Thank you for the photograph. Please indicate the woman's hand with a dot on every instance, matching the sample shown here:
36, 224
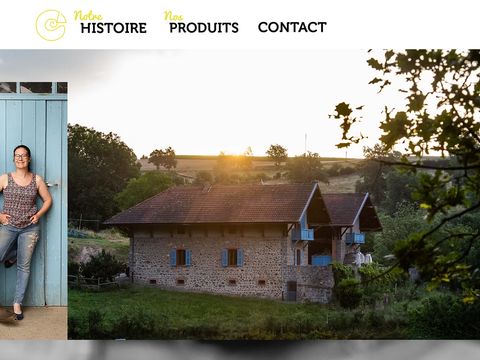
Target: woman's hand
34, 219
4, 219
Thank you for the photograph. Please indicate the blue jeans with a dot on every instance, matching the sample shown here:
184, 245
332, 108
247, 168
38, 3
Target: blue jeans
19, 242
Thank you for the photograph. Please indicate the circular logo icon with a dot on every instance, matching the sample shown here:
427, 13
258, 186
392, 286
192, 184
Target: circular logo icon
50, 25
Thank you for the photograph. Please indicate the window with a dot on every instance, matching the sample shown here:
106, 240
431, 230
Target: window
180, 282
62, 87
232, 282
8, 87
232, 257
180, 257
34, 87
261, 282
152, 281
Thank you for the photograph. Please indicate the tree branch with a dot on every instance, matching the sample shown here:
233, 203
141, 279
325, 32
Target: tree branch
422, 166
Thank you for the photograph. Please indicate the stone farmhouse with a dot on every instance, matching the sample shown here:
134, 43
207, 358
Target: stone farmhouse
274, 241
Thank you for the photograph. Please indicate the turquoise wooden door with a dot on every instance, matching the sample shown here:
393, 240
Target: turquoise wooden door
40, 122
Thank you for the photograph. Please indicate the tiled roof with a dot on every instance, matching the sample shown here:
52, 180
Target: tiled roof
343, 208
221, 204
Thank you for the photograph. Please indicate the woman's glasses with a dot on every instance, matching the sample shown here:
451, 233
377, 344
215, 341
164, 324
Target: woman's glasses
20, 156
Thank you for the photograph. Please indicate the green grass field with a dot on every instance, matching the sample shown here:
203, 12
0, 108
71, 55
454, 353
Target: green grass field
150, 313
114, 243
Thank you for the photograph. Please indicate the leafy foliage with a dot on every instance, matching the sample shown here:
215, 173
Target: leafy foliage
440, 114
341, 272
139, 189
398, 226
277, 153
99, 167
306, 168
398, 192
373, 173
444, 316
163, 157
348, 293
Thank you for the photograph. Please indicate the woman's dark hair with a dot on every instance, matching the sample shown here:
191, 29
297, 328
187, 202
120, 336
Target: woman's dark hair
27, 150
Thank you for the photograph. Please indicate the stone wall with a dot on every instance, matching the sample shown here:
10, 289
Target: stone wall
314, 283
261, 274
268, 262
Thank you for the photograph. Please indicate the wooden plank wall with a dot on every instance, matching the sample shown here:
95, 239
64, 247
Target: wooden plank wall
41, 124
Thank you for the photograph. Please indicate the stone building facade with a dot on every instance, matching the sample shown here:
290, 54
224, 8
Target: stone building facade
256, 242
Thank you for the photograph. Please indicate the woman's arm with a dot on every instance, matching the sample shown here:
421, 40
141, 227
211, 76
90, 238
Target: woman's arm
3, 184
46, 197
3, 181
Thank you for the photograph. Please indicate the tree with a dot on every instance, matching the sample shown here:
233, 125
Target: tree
139, 189
163, 157
277, 153
203, 177
398, 190
440, 115
306, 168
99, 167
373, 173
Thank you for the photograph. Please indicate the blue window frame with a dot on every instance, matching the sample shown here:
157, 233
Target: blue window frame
180, 257
232, 257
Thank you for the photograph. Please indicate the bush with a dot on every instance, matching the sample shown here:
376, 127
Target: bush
445, 316
341, 272
73, 268
348, 293
376, 284
103, 266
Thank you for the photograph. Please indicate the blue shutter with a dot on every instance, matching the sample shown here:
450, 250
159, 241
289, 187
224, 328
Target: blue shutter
173, 257
188, 257
224, 257
239, 257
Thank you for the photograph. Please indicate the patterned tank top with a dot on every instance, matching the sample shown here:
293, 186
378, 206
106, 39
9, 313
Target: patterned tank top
19, 202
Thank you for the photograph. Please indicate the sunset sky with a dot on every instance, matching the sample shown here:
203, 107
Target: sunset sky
204, 102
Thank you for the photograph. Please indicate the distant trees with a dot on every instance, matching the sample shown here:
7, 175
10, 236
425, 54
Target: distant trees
277, 153
139, 189
373, 173
305, 168
99, 167
163, 157
203, 177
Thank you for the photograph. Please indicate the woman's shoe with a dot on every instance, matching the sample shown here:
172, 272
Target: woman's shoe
19, 315
9, 263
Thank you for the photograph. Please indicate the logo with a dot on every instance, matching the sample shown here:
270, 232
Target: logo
50, 25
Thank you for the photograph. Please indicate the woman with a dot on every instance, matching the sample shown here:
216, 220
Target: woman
19, 229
